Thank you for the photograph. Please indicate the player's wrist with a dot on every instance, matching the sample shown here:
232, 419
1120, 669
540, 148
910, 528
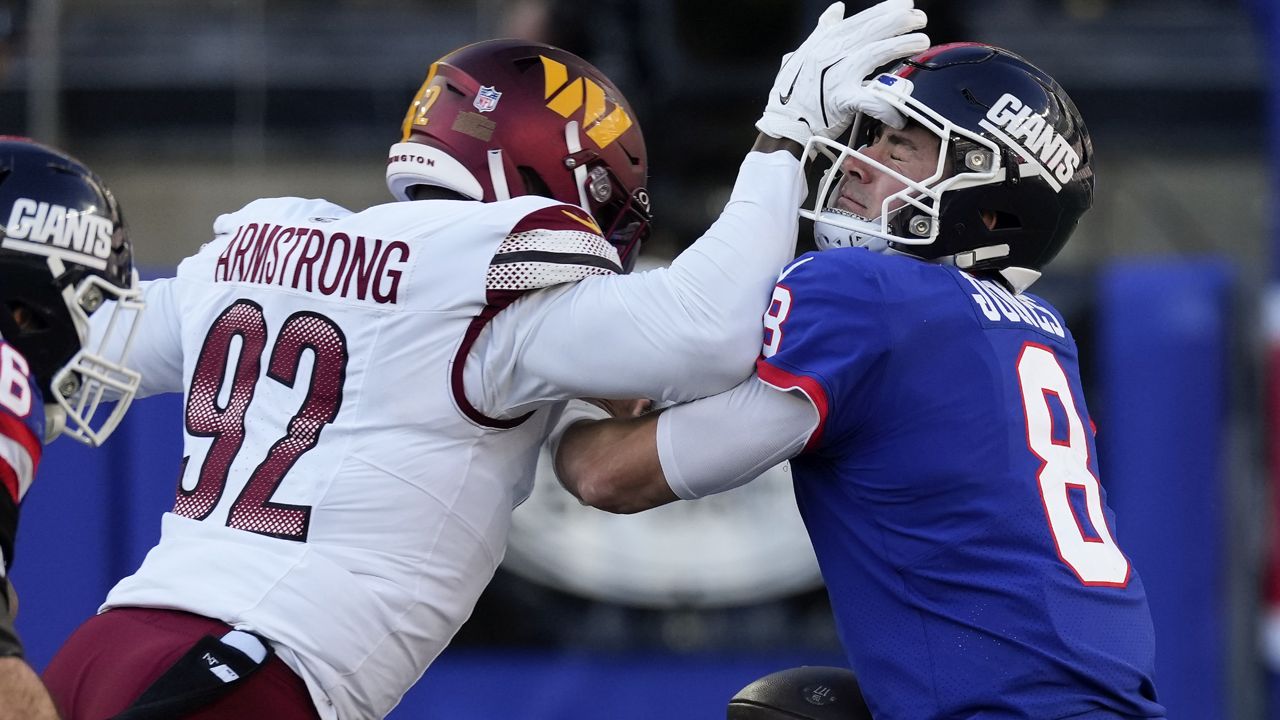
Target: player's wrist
766, 143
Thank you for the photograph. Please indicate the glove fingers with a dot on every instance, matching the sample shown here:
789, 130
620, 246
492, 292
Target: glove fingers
881, 26
833, 14
884, 51
850, 41
878, 12
884, 7
881, 110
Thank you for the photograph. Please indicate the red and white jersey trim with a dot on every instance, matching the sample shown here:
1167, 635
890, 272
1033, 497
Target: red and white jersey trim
19, 456
782, 380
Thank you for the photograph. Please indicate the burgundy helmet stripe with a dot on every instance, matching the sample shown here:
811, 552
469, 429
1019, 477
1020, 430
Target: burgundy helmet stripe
912, 63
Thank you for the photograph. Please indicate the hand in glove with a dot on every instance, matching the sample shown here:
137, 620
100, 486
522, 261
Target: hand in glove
819, 86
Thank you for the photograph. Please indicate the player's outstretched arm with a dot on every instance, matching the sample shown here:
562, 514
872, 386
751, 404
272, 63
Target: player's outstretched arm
626, 465
720, 285
22, 695
613, 464
702, 314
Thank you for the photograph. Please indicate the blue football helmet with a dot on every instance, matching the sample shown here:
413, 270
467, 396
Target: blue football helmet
1013, 175
65, 252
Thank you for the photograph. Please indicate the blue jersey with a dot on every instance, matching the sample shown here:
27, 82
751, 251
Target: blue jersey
951, 491
21, 441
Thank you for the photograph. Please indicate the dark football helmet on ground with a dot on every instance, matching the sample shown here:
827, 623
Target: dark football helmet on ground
504, 118
803, 693
1013, 146
64, 253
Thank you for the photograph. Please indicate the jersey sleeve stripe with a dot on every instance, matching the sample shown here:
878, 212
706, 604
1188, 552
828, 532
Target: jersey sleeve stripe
561, 258
781, 379
9, 481
21, 449
561, 240
541, 258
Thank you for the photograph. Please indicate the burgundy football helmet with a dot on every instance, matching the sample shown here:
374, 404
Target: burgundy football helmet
504, 118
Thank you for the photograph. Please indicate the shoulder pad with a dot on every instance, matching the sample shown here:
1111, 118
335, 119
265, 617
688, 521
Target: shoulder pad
551, 245
280, 210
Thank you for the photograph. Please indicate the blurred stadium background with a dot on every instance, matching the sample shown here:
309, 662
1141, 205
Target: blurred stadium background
192, 109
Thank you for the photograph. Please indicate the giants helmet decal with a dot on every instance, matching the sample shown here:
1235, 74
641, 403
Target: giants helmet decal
504, 118
1014, 151
64, 252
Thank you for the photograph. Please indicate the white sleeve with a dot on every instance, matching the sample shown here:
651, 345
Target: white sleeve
156, 351
721, 442
670, 334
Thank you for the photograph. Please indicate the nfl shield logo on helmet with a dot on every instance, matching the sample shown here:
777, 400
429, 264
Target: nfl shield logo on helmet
487, 99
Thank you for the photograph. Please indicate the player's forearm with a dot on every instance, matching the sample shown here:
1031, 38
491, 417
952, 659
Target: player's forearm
22, 695
613, 464
723, 441
722, 282
701, 315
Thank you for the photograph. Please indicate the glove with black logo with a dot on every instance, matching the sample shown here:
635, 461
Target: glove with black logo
819, 87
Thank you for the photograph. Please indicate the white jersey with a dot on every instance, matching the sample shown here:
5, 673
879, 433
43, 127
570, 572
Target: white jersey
366, 394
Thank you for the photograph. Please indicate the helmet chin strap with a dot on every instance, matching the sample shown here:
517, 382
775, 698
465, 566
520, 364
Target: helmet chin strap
1019, 278
55, 421
498, 176
828, 236
579, 169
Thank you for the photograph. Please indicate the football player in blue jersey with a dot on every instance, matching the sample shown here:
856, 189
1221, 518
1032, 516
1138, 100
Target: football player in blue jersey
943, 456
63, 252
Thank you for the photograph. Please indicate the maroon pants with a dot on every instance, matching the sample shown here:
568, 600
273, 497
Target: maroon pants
112, 658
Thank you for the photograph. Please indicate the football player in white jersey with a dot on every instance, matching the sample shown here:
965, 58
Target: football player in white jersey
63, 251
366, 393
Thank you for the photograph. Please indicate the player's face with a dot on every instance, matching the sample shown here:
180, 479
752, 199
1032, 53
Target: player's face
912, 151
22, 318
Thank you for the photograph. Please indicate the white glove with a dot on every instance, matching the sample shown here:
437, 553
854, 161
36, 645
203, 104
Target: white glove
819, 86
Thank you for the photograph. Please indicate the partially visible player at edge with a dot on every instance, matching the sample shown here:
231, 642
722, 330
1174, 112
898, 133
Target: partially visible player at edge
366, 392
943, 457
64, 251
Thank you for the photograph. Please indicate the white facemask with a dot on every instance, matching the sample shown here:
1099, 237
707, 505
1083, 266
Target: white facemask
97, 374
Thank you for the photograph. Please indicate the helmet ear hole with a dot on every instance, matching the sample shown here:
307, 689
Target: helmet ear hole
1000, 220
27, 319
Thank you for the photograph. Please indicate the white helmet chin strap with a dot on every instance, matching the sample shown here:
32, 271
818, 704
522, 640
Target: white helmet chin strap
828, 235
1019, 278
498, 176
580, 169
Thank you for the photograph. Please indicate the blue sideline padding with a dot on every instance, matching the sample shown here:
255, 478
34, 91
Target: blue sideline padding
1163, 340
90, 518
544, 686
